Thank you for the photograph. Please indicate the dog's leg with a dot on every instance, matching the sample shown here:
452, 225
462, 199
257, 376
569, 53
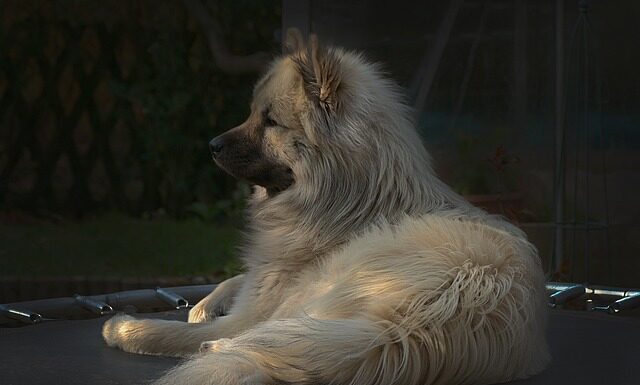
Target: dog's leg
218, 302
307, 351
171, 338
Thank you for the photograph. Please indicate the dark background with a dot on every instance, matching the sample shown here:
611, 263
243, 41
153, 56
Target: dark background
106, 109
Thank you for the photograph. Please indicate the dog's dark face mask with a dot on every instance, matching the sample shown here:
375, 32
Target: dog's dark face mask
243, 152
272, 147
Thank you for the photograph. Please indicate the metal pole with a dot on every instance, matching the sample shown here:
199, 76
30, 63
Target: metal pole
520, 67
559, 120
430, 62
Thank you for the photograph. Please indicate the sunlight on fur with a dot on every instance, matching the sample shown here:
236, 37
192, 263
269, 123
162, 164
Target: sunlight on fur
362, 267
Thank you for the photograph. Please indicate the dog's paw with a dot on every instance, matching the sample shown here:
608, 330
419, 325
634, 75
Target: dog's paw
116, 330
200, 313
215, 346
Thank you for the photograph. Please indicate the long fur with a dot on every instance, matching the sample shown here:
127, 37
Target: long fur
368, 269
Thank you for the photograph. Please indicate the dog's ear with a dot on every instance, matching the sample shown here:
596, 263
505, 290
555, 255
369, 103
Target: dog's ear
321, 74
294, 41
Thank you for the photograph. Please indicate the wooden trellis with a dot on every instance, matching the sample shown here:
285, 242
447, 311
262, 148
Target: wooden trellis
64, 145
72, 140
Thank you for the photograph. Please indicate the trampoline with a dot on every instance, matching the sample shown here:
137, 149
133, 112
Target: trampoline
590, 348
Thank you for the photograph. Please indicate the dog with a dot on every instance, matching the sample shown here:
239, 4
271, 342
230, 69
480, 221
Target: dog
362, 267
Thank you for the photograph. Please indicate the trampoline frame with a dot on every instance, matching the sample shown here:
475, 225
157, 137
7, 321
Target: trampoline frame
162, 299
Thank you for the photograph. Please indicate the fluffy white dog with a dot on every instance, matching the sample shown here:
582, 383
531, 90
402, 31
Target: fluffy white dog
362, 266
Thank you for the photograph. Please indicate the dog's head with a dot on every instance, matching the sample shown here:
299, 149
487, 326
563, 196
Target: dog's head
313, 101
264, 149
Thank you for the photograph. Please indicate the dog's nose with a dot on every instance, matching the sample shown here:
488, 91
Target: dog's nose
216, 146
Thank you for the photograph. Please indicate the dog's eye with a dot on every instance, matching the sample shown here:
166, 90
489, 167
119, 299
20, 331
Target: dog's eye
270, 122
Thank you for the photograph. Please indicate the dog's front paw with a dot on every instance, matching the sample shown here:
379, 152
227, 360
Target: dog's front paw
116, 331
215, 346
200, 313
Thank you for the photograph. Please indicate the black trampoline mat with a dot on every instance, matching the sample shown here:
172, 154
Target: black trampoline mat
587, 348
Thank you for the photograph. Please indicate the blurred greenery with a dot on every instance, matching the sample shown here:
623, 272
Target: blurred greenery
186, 101
112, 105
118, 245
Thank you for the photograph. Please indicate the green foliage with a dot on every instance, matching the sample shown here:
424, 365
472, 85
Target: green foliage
112, 107
167, 99
186, 101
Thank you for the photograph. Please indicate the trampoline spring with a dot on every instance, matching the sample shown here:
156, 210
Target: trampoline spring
24, 316
96, 307
566, 294
172, 298
625, 303
591, 306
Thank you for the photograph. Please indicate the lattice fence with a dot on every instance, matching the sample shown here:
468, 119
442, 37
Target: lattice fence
111, 104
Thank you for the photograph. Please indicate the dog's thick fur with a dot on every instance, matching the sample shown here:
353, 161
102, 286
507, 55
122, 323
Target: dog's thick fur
362, 266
